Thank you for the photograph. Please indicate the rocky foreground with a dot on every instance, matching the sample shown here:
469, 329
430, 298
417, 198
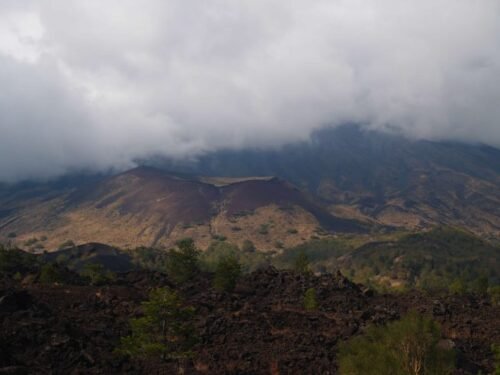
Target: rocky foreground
260, 328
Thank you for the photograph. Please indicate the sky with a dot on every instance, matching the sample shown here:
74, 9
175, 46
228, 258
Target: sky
98, 84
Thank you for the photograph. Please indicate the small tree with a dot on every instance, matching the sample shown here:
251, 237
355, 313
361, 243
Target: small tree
166, 330
183, 263
97, 274
302, 264
49, 274
227, 272
481, 284
458, 286
408, 346
310, 301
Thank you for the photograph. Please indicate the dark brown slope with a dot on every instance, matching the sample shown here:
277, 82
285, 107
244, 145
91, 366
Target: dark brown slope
146, 206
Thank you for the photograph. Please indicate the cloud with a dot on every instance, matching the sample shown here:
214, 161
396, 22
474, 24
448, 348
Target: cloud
92, 84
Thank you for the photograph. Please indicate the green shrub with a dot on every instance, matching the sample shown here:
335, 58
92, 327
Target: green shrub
49, 274
310, 301
301, 264
248, 246
264, 229
182, 263
496, 354
97, 274
165, 331
407, 346
31, 241
458, 286
494, 292
65, 244
14, 260
227, 272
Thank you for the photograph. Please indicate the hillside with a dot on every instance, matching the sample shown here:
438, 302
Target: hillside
378, 177
148, 207
438, 259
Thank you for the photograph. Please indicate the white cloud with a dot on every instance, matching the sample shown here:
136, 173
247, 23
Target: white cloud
96, 84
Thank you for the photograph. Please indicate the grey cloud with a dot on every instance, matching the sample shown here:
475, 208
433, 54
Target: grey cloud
119, 80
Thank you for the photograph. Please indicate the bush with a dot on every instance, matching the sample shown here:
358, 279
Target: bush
264, 229
494, 292
310, 302
96, 273
14, 260
408, 346
183, 263
166, 330
49, 274
301, 264
496, 354
248, 246
227, 272
65, 244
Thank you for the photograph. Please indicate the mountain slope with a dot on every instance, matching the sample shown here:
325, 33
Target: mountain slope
379, 177
146, 206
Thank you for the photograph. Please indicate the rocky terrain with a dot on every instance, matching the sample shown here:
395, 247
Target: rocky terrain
259, 328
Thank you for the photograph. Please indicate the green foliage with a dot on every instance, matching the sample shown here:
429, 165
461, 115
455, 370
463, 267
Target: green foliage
494, 293
97, 274
481, 285
249, 261
279, 244
182, 263
12, 235
14, 260
227, 272
31, 241
321, 253
310, 301
65, 244
292, 231
496, 354
165, 331
149, 258
50, 273
264, 229
431, 261
458, 286
302, 264
407, 346
248, 246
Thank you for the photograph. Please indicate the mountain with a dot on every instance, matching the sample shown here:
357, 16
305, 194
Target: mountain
378, 177
345, 179
147, 206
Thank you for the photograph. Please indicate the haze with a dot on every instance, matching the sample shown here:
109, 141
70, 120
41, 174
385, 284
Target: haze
93, 84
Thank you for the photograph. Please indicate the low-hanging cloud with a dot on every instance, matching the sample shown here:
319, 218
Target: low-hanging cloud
93, 84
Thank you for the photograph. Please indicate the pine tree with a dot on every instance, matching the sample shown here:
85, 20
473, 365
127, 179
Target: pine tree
183, 263
310, 301
166, 330
227, 272
302, 264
